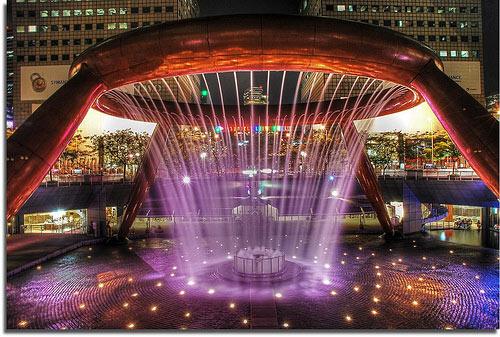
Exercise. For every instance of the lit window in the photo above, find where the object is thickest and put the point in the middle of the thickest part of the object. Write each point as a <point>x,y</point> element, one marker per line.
<point>111,25</point>
<point>44,14</point>
<point>464,53</point>
<point>440,10</point>
<point>112,11</point>
<point>66,12</point>
<point>453,53</point>
<point>123,25</point>
<point>123,11</point>
<point>20,29</point>
<point>462,24</point>
<point>340,8</point>
<point>375,8</point>
<point>100,11</point>
<point>54,13</point>
<point>89,12</point>
<point>452,9</point>
<point>77,12</point>
<point>363,8</point>
<point>32,29</point>
<point>443,53</point>
<point>398,23</point>
<point>19,0</point>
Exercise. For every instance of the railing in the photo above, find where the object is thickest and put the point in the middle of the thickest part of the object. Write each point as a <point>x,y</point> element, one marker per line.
<point>429,174</point>
<point>84,180</point>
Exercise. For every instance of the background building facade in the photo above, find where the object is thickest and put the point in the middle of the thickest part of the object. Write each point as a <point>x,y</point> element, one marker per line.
<point>47,35</point>
<point>452,28</point>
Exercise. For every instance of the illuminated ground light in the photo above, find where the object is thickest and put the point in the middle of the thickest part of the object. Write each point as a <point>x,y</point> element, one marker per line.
<point>130,279</point>
<point>232,305</point>
<point>348,318</point>
<point>154,308</point>
<point>378,286</point>
<point>245,321</point>
<point>130,326</point>
<point>186,180</point>
<point>82,306</point>
<point>187,314</point>
<point>356,288</point>
<point>374,312</point>
<point>286,325</point>
<point>22,324</point>
<point>211,291</point>
<point>101,285</point>
<point>182,292</point>
<point>414,303</point>
<point>125,305</point>
<point>278,295</point>
<point>159,284</point>
<point>134,295</point>
<point>376,299</point>
<point>326,281</point>
<point>38,267</point>
<point>333,293</point>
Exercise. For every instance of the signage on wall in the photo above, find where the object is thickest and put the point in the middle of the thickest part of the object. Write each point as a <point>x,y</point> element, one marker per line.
<point>40,82</point>
<point>466,73</point>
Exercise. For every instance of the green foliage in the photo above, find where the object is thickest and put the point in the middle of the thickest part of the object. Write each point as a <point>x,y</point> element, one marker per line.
<point>121,148</point>
<point>382,150</point>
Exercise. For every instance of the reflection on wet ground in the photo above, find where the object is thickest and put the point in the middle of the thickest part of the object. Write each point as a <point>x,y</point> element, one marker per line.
<point>418,283</point>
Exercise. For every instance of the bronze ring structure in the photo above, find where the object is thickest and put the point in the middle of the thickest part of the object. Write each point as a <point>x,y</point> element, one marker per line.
<point>246,42</point>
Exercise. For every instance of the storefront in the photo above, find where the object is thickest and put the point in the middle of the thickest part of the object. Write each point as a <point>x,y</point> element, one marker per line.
<point>59,221</point>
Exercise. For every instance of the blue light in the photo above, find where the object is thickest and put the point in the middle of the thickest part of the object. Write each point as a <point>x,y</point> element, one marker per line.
<point>218,129</point>
<point>331,178</point>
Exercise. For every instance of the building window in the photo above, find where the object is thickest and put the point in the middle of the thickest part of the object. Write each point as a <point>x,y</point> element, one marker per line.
<point>20,58</point>
<point>462,24</point>
<point>157,9</point>
<point>20,14</point>
<point>99,39</point>
<point>145,23</point>
<point>88,41</point>
<point>430,9</point>
<point>363,8</point>
<point>398,23</point>
<point>453,38</point>
<point>475,53</point>
<point>442,38</point>
<point>54,43</point>
<point>329,8</point>
<point>431,24</point>
<point>88,26</point>
<point>65,57</point>
<point>20,29</point>
<point>419,9</point>
<point>440,10</point>
<point>420,23</point>
<point>111,25</point>
<point>453,24</point>
<point>396,9</point>
<point>99,26</point>
<point>170,9</point>
<point>464,53</point>
<point>31,58</point>
<point>42,58</point>
<point>112,11</point>
<point>464,38</point>
<point>475,38</point>
<point>474,9</point>
<point>77,27</point>
<point>77,42</point>
<point>386,9</point>
<point>66,12</point>
<point>20,44</point>
<point>44,14</point>
<point>65,42</point>
<point>42,43</point>
<point>474,24</point>
<point>54,57</point>
<point>134,10</point>
<point>340,8</point>
<point>453,53</point>
<point>375,22</point>
<point>463,9</point>
<point>100,11</point>
<point>123,25</point>
<point>442,24</point>
<point>432,38</point>
<point>31,43</point>
<point>443,53</point>
<point>134,25</point>
<point>375,8</point>
<point>77,12</point>
<point>32,29</point>
<point>421,38</point>
<point>65,28</point>
<point>387,23</point>
<point>54,13</point>
<point>123,10</point>
<point>89,12</point>
<point>452,9</point>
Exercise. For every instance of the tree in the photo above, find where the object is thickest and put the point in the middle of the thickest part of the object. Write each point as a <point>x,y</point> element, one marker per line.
<point>121,148</point>
<point>77,150</point>
<point>382,150</point>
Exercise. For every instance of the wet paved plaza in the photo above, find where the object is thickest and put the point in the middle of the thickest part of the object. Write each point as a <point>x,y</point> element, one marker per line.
<point>417,283</point>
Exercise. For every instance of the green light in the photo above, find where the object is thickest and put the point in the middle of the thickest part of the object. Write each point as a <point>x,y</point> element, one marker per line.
<point>204,93</point>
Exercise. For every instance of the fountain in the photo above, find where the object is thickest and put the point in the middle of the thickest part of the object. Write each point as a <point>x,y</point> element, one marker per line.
<point>259,262</point>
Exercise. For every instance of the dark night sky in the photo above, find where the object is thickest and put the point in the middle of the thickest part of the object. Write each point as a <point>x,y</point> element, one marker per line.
<point>490,27</point>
